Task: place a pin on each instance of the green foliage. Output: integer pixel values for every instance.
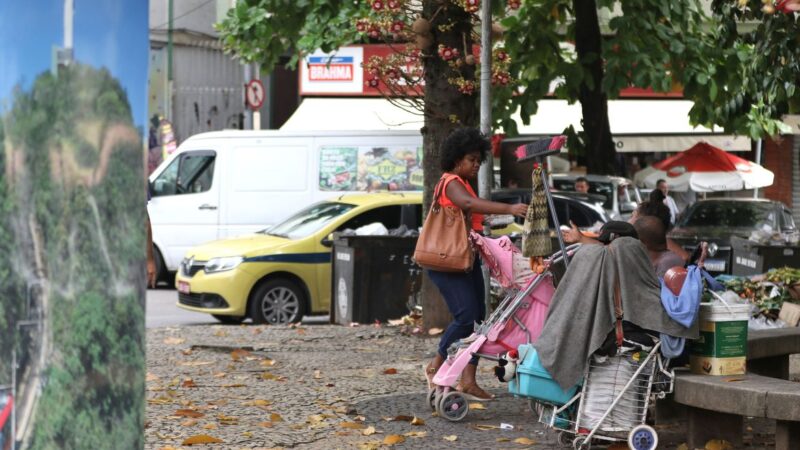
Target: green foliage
(90, 230)
(749, 78)
(264, 31)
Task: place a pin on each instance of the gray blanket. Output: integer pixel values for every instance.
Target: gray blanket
(582, 309)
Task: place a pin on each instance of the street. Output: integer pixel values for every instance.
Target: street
(163, 312)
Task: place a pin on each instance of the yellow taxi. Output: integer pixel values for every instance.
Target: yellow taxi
(284, 272)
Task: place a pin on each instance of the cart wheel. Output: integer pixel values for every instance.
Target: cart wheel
(535, 407)
(432, 398)
(453, 406)
(580, 443)
(643, 437)
(564, 439)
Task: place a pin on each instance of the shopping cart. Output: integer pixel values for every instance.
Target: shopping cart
(610, 404)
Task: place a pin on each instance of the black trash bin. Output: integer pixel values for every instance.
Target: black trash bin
(751, 258)
(373, 278)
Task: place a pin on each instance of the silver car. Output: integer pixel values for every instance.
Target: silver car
(620, 195)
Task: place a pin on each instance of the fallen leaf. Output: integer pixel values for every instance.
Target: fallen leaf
(353, 425)
(227, 420)
(220, 333)
(256, 330)
(268, 376)
(220, 375)
(210, 426)
(486, 427)
(399, 419)
(731, 380)
(375, 445)
(239, 353)
(195, 363)
(188, 413)
(247, 434)
(342, 433)
(524, 441)
(234, 385)
(369, 431)
(477, 405)
(390, 371)
(317, 374)
(435, 331)
(265, 424)
(258, 402)
(169, 447)
(201, 439)
(416, 434)
(718, 444)
(275, 417)
(189, 383)
(189, 422)
(151, 377)
(301, 331)
(417, 421)
(174, 341)
(393, 439)
(503, 440)
(451, 438)
(186, 351)
(268, 362)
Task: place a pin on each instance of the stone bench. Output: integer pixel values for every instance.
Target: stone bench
(717, 405)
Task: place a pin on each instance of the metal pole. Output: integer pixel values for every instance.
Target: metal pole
(486, 173)
(555, 216)
(758, 161)
(170, 10)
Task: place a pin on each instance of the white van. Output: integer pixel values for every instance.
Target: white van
(228, 183)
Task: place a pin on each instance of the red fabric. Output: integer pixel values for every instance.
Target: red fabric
(477, 219)
(497, 141)
(6, 412)
(702, 157)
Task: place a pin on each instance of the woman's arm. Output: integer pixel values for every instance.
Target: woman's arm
(460, 197)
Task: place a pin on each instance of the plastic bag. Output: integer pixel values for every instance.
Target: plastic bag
(372, 229)
(763, 323)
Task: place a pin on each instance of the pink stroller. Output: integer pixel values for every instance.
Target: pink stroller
(518, 319)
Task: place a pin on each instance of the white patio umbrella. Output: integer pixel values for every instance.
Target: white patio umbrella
(705, 168)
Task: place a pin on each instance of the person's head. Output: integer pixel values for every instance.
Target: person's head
(614, 229)
(661, 185)
(654, 207)
(463, 152)
(582, 185)
(512, 183)
(652, 233)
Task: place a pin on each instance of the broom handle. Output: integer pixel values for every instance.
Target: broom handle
(553, 213)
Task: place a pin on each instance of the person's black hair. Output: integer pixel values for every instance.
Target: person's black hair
(660, 180)
(656, 196)
(460, 143)
(655, 207)
(652, 232)
(614, 229)
(579, 179)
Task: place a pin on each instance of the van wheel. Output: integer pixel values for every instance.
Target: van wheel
(230, 320)
(277, 302)
(161, 270)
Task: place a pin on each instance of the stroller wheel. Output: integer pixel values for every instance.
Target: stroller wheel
(643, 437)
(580, 443)
(432, 398)
(453, 406)
(564, 439)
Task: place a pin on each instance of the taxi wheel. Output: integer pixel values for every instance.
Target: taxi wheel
(276, 302)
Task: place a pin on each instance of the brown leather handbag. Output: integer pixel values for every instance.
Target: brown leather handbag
(443, 245)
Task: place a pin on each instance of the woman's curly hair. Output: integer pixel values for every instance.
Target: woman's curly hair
(461, 142)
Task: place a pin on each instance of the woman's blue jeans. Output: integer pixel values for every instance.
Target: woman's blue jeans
(463, 293)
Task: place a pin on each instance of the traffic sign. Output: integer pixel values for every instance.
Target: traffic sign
(254, 94)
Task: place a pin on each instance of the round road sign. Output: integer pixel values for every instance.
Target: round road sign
(254, 94)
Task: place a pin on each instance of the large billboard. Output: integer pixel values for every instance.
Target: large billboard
(72, 223)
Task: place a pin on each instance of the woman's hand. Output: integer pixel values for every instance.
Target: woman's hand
(519, 209)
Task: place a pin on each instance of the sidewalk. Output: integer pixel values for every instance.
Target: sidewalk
(323, 387)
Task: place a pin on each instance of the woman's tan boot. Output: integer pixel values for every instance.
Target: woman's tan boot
(432, 368)
(469, 386)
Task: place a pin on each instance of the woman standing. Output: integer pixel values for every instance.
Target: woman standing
(462, 154)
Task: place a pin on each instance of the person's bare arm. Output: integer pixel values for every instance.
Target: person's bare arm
(674, 247)
(461, 198)
(151, 263)
(574, 236)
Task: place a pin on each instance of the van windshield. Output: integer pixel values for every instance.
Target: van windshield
(309, 221)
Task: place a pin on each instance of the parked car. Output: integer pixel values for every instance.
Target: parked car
(620, 195)
(283, 272)
(716, 220)
(228, 183)
(582, 210)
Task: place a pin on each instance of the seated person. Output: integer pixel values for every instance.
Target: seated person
(656, 207)
(582, 185)
(653, 235)
(610, 231)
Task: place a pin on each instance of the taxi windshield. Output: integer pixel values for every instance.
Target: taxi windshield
(308, 221)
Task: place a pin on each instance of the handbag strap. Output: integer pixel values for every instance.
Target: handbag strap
(618, 312)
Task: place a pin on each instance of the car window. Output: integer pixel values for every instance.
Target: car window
(595, 187)
(190, 173)
(389, 216)
(309, 220)
(729, 214)
(788, 220)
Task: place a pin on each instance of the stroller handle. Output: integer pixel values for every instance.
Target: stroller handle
(559, 255)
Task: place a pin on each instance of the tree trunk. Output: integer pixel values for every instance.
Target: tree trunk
(600, 150)
(445, 110)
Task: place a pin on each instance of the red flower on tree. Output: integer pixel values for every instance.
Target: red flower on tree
(514, 4)
(377, 5)
(394, 5)
(447, 53)
(396, 26)
(373, 83)
(362, 25)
